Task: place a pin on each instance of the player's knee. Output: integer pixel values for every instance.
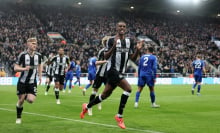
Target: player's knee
(30, 101)
(129, 90)
(105, 95)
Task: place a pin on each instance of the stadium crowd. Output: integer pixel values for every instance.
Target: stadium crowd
(178, 38)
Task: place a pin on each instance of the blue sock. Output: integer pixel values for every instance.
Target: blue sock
(199, 87)
(79, 83)
(75, 82)
(137, 96)
(194, 86)
(87, 86)
(65, 85)
(70, 85)
(152, 97)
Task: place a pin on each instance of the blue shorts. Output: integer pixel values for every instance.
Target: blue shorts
(198, 78)
(91, 76)
(149, 80)
(78, 75)
(69, 76)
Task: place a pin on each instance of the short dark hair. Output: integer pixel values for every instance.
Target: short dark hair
(121, 21)
(150, 49)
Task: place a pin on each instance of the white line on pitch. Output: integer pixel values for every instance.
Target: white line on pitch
(81, 121)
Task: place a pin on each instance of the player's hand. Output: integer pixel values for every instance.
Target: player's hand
(154, 80)
(115, 40)
(139, 44)
(27, 68)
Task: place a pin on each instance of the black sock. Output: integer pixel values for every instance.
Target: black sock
(56, 94)
(92, 97)
(94, 102)
(19, 111)
(123, 102)
(48, 87)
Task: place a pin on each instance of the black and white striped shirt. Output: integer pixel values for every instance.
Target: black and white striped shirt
(24, 59)
(50, 69)
(60, 64)
(102, 68)
(119, 59)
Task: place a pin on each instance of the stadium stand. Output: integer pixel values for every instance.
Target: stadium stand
(178, 38)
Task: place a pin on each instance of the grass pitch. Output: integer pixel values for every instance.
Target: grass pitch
(180, 112)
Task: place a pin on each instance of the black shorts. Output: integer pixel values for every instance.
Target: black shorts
(50, 77)
(23, 88)
(98, 82)
(59, 78)
(114, 77)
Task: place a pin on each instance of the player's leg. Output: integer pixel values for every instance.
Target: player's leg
(56, 88)
(47, 85)
(153, 97)
(67, 77)
(141, 83)
(21, 97)
(31, 93)
(137, 96)
(150, 82)
(96, 85)
(194, 85)
(199, 85)
(98, 99)
(91, 78)
(124, 97)
(70, 82)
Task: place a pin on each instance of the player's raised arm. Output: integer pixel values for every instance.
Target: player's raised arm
(139, 45)
(100, 62)
(111, 46)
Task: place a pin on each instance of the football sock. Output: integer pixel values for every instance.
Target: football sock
(92, 97)
(137, 96)
(124, 98)
(152, 97)
(199, 87)
(48, 87)
(19, 111)
(194, 86)
(79, 83)
(87, 86)
(56, 93)
(70, 85)
(64, 87)
(97, 100)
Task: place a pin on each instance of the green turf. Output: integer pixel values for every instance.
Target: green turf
(180, 112)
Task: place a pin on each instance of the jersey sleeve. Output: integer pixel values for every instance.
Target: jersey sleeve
(67, 60)
(40, 59)
(139, 67)
(132, 44)
(20, 59)
(109, 44)
(155, 67)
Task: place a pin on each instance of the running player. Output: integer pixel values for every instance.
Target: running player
(119, 50)
(49, 74)
(61, 61)
(100, 75)
(29, 64)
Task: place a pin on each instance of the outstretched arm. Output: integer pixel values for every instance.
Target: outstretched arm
(139, 45)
